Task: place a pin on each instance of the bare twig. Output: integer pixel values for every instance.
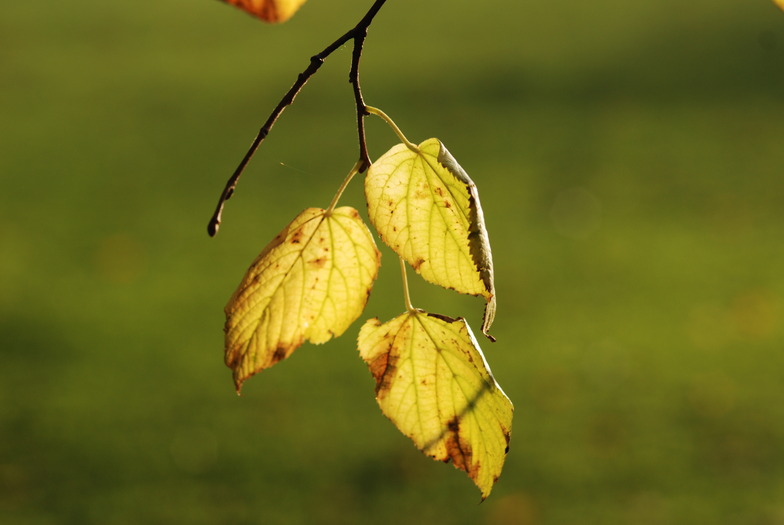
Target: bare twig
(357, 34)
(353, 78)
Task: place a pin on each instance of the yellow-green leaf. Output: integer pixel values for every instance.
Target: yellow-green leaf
(310, 283)
(426, 208)
(433, 382)
(269, 10)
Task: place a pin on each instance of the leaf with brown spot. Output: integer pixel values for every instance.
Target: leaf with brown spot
(427, 209)
(434, 384)
(269, 10)
(310, 283)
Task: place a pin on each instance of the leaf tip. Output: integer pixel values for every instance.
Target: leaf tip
(488, 318)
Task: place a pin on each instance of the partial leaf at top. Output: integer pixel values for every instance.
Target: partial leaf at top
(310, 283)
(269, 10)
(433, 382)
(427, 209)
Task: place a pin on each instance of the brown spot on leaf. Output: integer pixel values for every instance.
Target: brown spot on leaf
(279, 355)
(383, 369)
(459, 450)
(378, 366)
(444, 317)
(319, 262)
(447, 204)
(297, 237)
(416, 264)
(454, 448)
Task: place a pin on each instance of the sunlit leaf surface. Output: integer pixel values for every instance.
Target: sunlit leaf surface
(269, 10)
(432, 381)
(426, 208)
(310, 283)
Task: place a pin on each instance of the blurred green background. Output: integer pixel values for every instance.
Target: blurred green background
(629, 157)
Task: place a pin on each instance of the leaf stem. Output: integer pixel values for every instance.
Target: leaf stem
(377, 112)
(406, 295)
(343, 186)
(358, 34)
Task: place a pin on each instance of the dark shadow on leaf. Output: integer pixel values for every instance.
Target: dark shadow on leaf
(454, 423)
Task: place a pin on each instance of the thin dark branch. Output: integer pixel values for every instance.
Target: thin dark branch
(353, 78)
(358, 34)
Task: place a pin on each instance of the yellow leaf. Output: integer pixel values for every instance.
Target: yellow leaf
(269, 10)
(779, 3)
(433, 383)
(426, 208)
(310, 283)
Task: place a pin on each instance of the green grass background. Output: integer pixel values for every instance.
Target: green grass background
(630, 159)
